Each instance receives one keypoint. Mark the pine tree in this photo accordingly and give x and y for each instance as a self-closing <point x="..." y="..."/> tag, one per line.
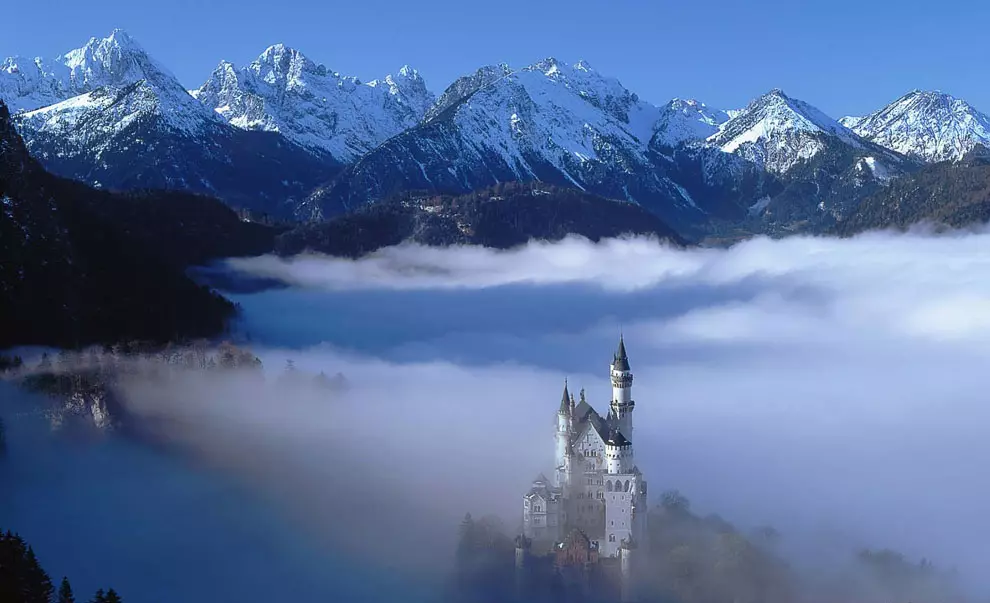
<point x="65" y="592"/>
<point x="38" y="585"/>
<point x="112" y="597"/>
<point x="99" y="597"/>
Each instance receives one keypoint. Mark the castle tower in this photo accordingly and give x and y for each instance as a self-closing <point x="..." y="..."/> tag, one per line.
<point x="622" y="403"/>
<point x="618" y="453"/>
<point x="562" y="440"/>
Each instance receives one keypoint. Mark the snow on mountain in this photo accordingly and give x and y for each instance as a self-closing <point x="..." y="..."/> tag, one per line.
<point x="284" y="91"/>
<point x="117" y="60"/>
<point x="850" y="121"/>
<point x="111" y="87"/>
<point x="107" y="112"/>
<point x="687" y="120"/>
<point x="27" y="84"/>
<point x="560" y="123"/>
<point x="778" y="132"/>
<point x="109" y="115"/>
<point x="568" y="115"/>
<point x="930" y="126"/>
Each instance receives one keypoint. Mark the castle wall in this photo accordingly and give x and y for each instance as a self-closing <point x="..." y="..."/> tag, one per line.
<point x="542" y="517"/>
<point x="618" y="521"/>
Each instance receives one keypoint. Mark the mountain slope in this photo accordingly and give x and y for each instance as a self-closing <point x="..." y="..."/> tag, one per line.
<point x="502" y="217"/>
<point x="929" y="126"/>
<point x="126" y="123"/>
<point x="686" y="120"/>
<point x="82" y="266"/>
<point x="955" y="194"/>
<point x="557" y="123"/>
<point x="283" y="91"/>
<point x="776" y="132"/>
<point x="116" y="60"/>
<point x="817" y="170"/>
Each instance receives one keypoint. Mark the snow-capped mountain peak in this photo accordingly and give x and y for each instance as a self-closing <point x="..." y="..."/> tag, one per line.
<point x="777" y="132"/>
<point x="928" y="125"/>
<point x="116" y="61"/>
<point x="284" y="91"/>
<point x="549" y="121"/>
<point x="112" y="61"/>
<point x="687" y="120"/>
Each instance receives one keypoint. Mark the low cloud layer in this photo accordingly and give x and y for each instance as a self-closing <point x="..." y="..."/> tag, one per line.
<point x="831" y="388"/>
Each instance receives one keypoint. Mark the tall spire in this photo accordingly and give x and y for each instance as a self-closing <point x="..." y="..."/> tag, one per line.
<point x="565" y="403"/>
<point x="621" y="360"/>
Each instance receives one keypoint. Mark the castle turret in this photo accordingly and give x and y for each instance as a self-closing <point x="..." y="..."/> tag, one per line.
<point x="622" y="404"/>
<point x="562" y="439"/>
<point x="618" y="453"/>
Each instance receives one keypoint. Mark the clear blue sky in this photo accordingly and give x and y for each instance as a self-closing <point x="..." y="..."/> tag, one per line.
<point x="844" y="56"/>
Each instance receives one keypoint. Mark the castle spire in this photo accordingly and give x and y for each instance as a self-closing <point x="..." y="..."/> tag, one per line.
<point x="565" y="403"/>
<point x="621" y="360"/>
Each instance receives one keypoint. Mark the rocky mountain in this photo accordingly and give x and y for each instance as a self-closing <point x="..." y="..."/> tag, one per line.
<point x="800" y="170"/>
<point x="502" y="216"/>
<point x="116" y="60"/>
<point x="686" y="120"/>
<point x="122" y="121"/>
<point x="929" y="126"/>
<point x="290" y="138"/>
<point x="777" y="132"/>
<point x="82" y="265"/>
<point x="954" y="194"/>
<point x="553" y="122"/>
<point x="284" y="91"/>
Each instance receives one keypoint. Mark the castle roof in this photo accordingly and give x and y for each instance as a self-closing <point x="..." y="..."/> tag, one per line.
<point x="541" y="487"/>
<point x="615" y="438"/>
<point x="565" y="403"/>
<point x="620" y="360"/>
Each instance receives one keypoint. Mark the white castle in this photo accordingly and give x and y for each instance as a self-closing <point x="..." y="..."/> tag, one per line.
<point x="597" y="487"/>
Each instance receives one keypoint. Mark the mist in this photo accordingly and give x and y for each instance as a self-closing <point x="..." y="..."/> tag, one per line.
<point x="831" y="388"/>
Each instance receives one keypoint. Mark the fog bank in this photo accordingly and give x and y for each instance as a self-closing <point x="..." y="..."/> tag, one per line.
<point x="831" y="388"/>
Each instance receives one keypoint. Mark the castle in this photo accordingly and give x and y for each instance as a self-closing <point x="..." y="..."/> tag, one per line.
<point x="594" y="510"/>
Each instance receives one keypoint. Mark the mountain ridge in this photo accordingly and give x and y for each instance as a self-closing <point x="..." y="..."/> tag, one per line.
<point x="288" y="137"/>
<point x="930" y="126"/>
<point x="284" y="91"/>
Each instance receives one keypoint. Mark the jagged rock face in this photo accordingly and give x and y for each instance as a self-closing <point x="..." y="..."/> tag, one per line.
<point x="283" y="91"/>
<point x="135" y="139"/>
<point x="121" y="121"/>
<point x="776" y="132"/>
<point x="553" y="122"/>
<point x="929" y="126"/>
<point x="686" y="120"/>
<point x="465" y="86"/>
<point x="27" y="84"/>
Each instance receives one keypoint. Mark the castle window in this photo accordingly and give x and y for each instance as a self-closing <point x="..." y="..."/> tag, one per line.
<point x="627" y="486"/>
<point x="611" y="537"/>
<point x="608" y="485"/>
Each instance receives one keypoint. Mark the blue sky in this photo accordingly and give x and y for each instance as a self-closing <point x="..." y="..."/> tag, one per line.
<point x="844" y="56"/>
